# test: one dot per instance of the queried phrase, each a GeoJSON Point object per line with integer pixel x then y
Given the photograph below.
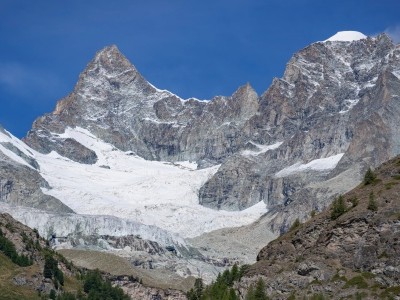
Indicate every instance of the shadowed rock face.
{"type": "Point", "coordinates": [21, 186]}
{"type": "Point", "coordinates": [334, 97]}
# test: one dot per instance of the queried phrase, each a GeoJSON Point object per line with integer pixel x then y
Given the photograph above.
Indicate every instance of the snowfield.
{"type": "Point", "coordinates": [346, 36]}
{"type": "Point", "coordinates": [321, 164]}
{"type": "Point", "coordinates": [124, 185]}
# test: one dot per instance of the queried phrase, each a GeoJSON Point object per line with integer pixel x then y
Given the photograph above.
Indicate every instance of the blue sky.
{"type": "Point", "coordinates": [190, 47]}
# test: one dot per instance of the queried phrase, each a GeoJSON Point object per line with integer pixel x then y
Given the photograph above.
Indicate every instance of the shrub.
{"type": "Point", "coordinates": [296, 224]}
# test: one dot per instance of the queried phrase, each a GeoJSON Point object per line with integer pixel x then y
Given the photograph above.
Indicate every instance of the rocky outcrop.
{"type": "Point", "coordinates": [21, 186]}
{"type": "Point", "coordinates": [138, 291]}
{"type": "Point", "coordinates": [356, 253]}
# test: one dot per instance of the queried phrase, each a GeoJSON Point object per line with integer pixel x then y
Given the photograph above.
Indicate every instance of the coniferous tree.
{"type": "Point", "coordinates": [369, 177]}
{"type": "Point", "coordinates": [259, 292]}
{"type": "Point", "coordinates": [338, 208]}
{"type": "Point", "coordinates": [250, 293]}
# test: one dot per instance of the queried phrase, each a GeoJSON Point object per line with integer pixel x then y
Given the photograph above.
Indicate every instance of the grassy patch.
{"type": "Point", "coordinates": [357, 281]}
{"type": "Point", "coordinates": [315, 282]}
{"type": "Point", "coordinates": [397, 176]}
{"type": "Point", "coordinates": [337, 277]}
{"type": "Point", "coordinates": [389, 185]}
{"type": "Point", "coordinates": [368, 275]}
{"type": "Point", "coordinates": [8, 290]}
{"type": "Point", "coordinates": [390, 292]}
{"type": "Point", "coordinates": [383, 255]}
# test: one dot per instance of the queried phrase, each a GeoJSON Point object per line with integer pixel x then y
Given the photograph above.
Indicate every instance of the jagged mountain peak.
{"type": "Point", "coordinates": [246, 89]}
{"type": "Point", "coordinates": [111, 56]}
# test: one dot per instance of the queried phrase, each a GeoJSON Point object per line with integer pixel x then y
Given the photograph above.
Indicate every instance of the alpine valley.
{"type": "Point", "coordinates": [131, 179]}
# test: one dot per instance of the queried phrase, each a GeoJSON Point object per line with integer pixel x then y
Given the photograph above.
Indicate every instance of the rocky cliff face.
{"type": "Point", "coordinates": [335, 98]}
{"type": "Point", "coordinates": [332, 97]}
{"type": "Point", "coordinates": [357, 253]}
{"type": "Point", "coordinates": [114, 102]}
{"type": "Point", "coordinates": [20, 181]}
{"type": "Point", "coordinates": [334, 112]}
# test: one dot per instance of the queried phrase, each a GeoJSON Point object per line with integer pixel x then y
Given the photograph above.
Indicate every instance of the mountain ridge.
{"type": "Point", "coordinates": [254, 163]}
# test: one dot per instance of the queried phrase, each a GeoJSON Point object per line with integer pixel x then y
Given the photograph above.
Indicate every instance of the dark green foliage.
{"type": "Point", "coordinates": [197, 292]}
{"type": "Point", "coordinates": [250, 293]}
{"type": "Point", "coordinates": [59, 276]}
{"type": "Point", "coordinates": [92, 281]}
{"type": "Point", "coordinates": [243, 270]}
{"type": "Point", "coordinates": [338, 208]}
{"type": "Point", "coordinates": [357, 281]}
{"type": "Point", "coordinates": [221, 289]}
{"type": "Point", "coordinates": [260, 290]}
{"type": "Point", "coordinates": [51, 270]}
{"type": "Point", "coordinates": [390, 292]}
{"type": "Point", "coordinates": [8, 248]}
{"type": "Point", "coordinates": [317, 297]}
{"type": "Point", "coordinates": [36, 232]}
{"type": "Point", "coordinates": [369, 177]}
{"type": "Point", "coordinates": [296, 224]}
{"type": "Point", "coordinates": [52, 294]}
{"type": "Point", "coordinates": [372, 203]}
{"type": "Point", "coordinates": [257, 293]}
{"type": "Point", "coordinates": [99, 289]}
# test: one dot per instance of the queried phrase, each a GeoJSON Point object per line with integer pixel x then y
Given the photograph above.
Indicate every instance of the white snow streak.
{"type": "Point", "coordinates": [320, 164]}
{"type": "Point", "coordinates": [262, 149]}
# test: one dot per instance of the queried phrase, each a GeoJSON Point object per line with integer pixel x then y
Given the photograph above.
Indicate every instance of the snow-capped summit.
{"type": "Point", "coordinates": [346, 36]}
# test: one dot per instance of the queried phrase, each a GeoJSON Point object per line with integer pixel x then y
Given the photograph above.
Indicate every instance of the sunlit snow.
{"type": "Point", "coordinates": [346, 36]}
{"type": "Point", "coordinates": [321, 164]}
{"type": "Point", "coordinates": [261, 149]}
{"type": "Point", "coordinates": [151, 192]}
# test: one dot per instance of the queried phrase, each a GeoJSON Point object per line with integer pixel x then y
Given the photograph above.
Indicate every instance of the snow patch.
{"type": "Point", "coordinates": [396, 73]}
{"type": "Point", "coordinates": [349, 105]}
{"type": "Point", "coordinates": [9, 138]}
{"type": "Point", "coordinates": [346, 36]}
{"type": "Point", "coordinates": [321, 164]}
{"type": "Point", "coordinates": [261, 149]}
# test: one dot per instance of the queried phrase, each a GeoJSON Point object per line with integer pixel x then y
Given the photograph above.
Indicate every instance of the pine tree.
{"type": "Point", "coordinates": [259, 293]}
{"type": "Point", "coordinates": [338, 208]}
{"type": "Point", "coordinates": [235, 274]}
{"type": "Point", "coordinates": [369, 177]}
{"type": "Point", "coordinates": [250, 293]}
{"type": "Point", "coordinates": [52, 294]}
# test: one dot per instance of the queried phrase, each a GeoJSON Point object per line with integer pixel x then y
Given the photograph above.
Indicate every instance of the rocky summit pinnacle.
{"type": "Point", "coordinates": [307, 138]}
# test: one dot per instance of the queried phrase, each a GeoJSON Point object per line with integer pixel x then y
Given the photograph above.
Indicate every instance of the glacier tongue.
{"type": "Point", "coordinates": [85, 225]}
